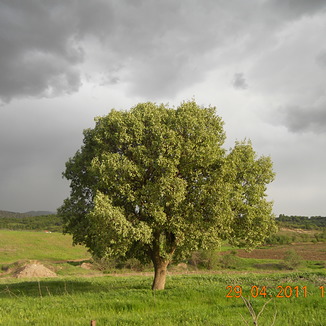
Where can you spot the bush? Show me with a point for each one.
(207, 259)
(291, 259)
(230, 260)
(104, 264)
(279, 239)
(321, 237)
(110, 264)
(134, 264)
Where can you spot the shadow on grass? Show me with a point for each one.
(270, 266)
(59, 287)
(78, 262)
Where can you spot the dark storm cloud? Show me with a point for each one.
(41, 48)
(43, 43)
(155, 47)
(38, 52)
(158, 45)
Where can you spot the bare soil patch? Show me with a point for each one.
(308, 251)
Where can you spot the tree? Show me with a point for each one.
(155, 183)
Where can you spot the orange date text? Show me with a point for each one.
(281, 291)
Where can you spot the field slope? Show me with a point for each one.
(29, 245)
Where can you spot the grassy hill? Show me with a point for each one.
(308, 244)
(21, 245)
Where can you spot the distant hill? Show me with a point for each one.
(38, 213)
(8, 214)
(302, 222)
(36, 220)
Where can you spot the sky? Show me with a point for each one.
(261, 63)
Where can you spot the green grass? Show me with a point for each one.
(21, 245)
(187, 300)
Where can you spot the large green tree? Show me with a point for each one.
(155, 183)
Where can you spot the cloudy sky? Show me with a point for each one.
(262, 63)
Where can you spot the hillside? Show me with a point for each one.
(50, 222)
(38, 213)
(9, 214)
(28, 245)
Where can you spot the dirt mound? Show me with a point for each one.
(34, 269)
(86, 266)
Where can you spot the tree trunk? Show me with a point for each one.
(160, 267)
(160, 263)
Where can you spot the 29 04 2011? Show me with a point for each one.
(280, 291)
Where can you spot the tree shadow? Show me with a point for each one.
(270, 266)
(60, 287)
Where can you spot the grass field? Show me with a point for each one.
(22, 245)
(190, 299)
(187, 300)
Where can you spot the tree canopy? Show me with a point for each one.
(155, 183)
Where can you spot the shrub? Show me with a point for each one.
(230, 260)
(133, 264)
(279, 239)
(104, 264)
(291, 259)
(207, 259)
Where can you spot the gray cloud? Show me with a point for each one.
(43, 44)
(239, 81)
(161, 47)
(38, 54)
(300, 119)
(296, 8)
